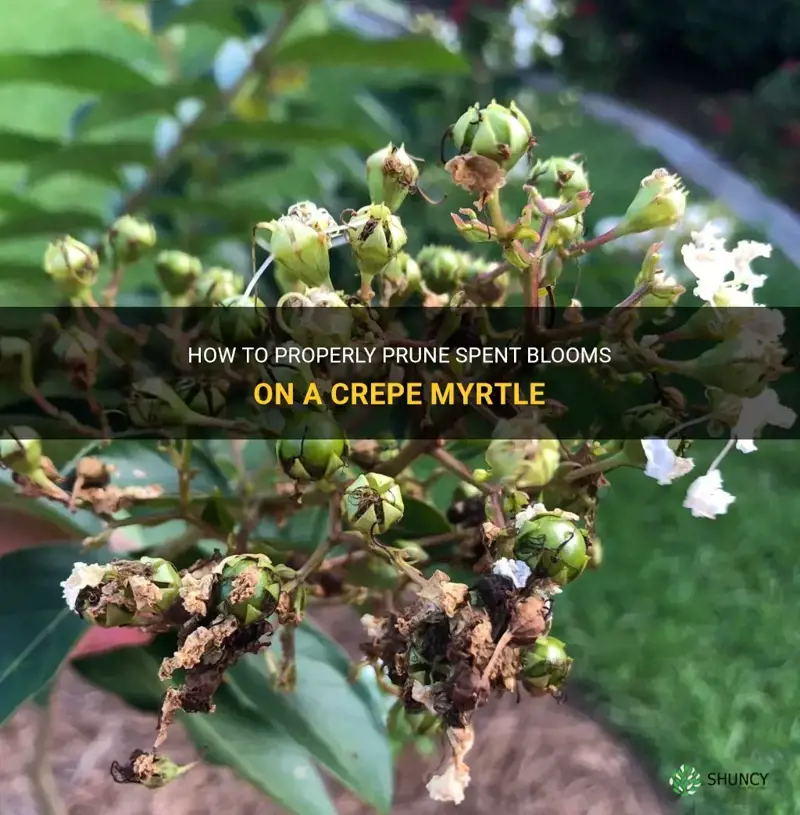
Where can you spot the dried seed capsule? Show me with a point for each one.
(373, 503)
(249, 587)
(553, 547)
(313, 447)
(130, 238)
(544, 666)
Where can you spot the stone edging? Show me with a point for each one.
(693, 161)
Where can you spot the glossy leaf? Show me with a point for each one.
(340, 723)
(233, 736)
(79, 70)
(37, 630)
(302, 532)
(94, 160)
(298, 134)
(416, 53)
(420, 520)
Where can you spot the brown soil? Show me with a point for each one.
(535, 757)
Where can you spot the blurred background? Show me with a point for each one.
(685, 641)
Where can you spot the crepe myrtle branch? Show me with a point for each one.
(521, 528)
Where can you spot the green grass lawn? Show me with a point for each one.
(685, 639)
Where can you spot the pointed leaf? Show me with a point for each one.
(420, 520)
(37, 630)
(416, 53)
(79, 70)
(298, 134)
(337, 721)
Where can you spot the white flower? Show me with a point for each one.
(83, 575)
(515, 570)
(449, 786)
(706, 498)
(758, 412)
(374, 626)
(528, 514)
(662, 463)
(724, 278)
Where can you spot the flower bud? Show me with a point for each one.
(249, 587)
(482, 290)
(502, 134)
(660, 202)
(73, 266)
(373, 503)
(544, 666)
(523, 453)
(130, 238)
(301, 243)
(442, 268)
(391, 175)
(553, 547)
(560, 177)
(743, 365)
(312, 447)
(376, 236)
(216, 285)
(402, 277)
(21, 451)
(238, 319)
(177, 271)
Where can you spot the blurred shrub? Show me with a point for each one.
(710, 44)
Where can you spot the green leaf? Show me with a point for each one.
(37, 222)
(78, 524)
(420, 520)
(95, 160)
(143, 463)
(301, 533)
(262, 754)
(298, 134)
(416, 53)
(225, 17)
(340, 723)
(16, 146)
(79, 70)
(37, 630)
(233, 736)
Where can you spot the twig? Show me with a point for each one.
(451, 463)
(45, 790)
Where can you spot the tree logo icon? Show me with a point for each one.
(685, 781)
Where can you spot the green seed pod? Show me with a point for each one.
(553, 547)
(743, 366)
(312, 447)
(502, 134)
(660, 202)
(21, 451)
(401, 277)
(238, 319)
(373, 503)
(164, 576)
(216, 285)
(153, 403)
(317, 318)
(391, 175)
(249, 587)
(301, 243)
(559, 177)
(443, 268)
(130, 238)
(202, 396)
(73, 267)
(523, 453)
(376, 236)
(177, 271)
(544, 666)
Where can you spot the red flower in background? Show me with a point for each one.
(790, 64)
(791, 134)
(722, 122)
(585, 8)
(459, 10)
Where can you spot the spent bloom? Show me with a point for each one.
(515, 570)
(662, 462)
(758, 412)
(528, 514)
(83, 576)
(706, 498)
